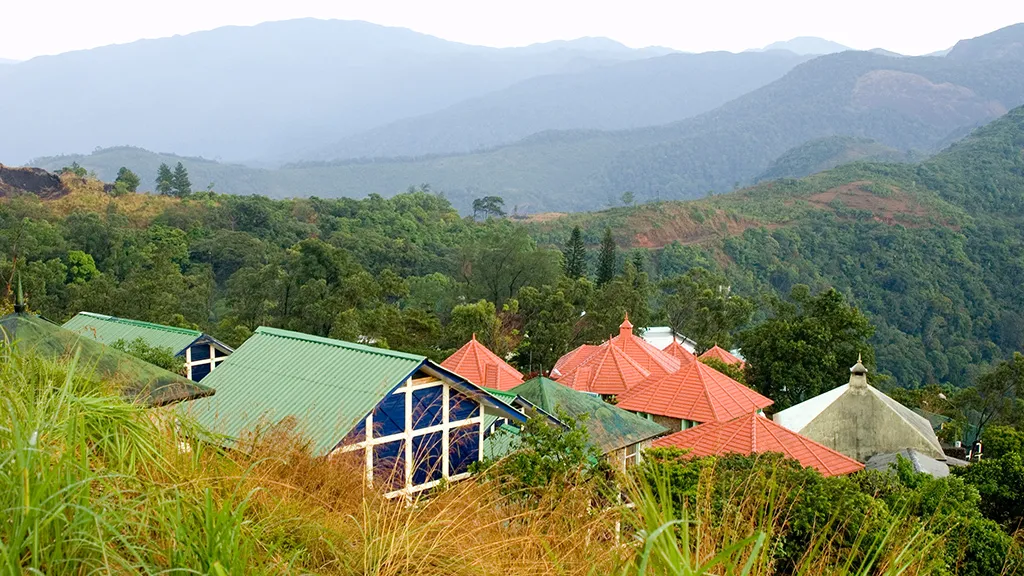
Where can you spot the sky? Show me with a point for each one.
(38, 27)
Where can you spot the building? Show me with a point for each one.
(618, 434)
(722, 354)
(607, 372)
(201, 352)
(677, 350)
(918, 462)
(650, 358)
(693, 394)
(756, 434)
(662, 336)
(860, 421)
(482, 367)
(138, 381)
(409, 422)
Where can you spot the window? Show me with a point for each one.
(426, 457)
(427, 404)
(200, 352)
(464, 448)
(632, 455)
(389, 416)
(389, 464)
(220, 353)
(461, 407)
(199, 371)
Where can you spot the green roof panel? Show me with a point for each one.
(135, 379)
(326, 385)
(110, 329)
(610, 427)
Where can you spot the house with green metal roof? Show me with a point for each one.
(135, 379)
(620, 435)
(201, 352)
(409, 422)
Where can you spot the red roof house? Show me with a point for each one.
(723, 355)
(676, 350)
(695, 393)
(607, 372)
(653, 360)
(754, 433)
(573, 359)
(482, 367)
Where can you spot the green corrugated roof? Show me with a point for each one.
(135, 378)
(327, 385)
(502, 442)
(110, 329)
(610, 427)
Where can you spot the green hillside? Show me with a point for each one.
(826, 153)
(933, 252)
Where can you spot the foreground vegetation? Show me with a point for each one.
(91, 484)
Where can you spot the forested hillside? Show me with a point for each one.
(919, 104)
(932, 252)
(825, 153)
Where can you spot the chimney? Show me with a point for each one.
(858, 375)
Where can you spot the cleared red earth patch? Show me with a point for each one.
(892, 207)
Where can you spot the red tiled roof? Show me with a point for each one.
(607, 371)
(756, 434)
(722, 355)
(482, 367)
(653, 360)
(676, 350)
(573, 359)
(695, 392)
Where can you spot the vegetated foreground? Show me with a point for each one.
(91, 484)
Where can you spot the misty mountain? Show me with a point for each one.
(6, 61)
(1004, 44)
(807, 45)
(618, 96)
(257, 92)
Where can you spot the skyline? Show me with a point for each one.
(912, 27)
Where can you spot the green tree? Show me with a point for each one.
(628, 198)
(701, 305)
(995, 394)
(164, 180)
(489, 206)
(552, 321)
(81, 267)
(502, 258)
(807, 347)
(127, 181)
(575, 253)
(75, 169)
(156, 355)
(180, 183)
(606, 258)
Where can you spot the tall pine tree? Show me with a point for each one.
(164, 180)
(179, 181)
(575, 255)
(606, 259)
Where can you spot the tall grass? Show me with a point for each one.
(90, 484)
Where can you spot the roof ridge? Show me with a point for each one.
(142, 324)
(281, 333)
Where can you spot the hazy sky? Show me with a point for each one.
(34, 27)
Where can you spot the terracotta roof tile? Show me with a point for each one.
(721, 354)
(482, 367)
(608, 371)
(676, 350)
(573, 359)
(756, 434)
(695, 392)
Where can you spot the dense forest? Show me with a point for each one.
(931, 253)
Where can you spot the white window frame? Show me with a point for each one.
(446, 426)
(212, 360)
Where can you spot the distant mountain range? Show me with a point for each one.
(617, 96)
(6, 61)
(260, 92)
(808, 45)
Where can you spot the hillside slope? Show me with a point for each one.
(933, 252)
(825, 153)
(625, 95)
(256, 92)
